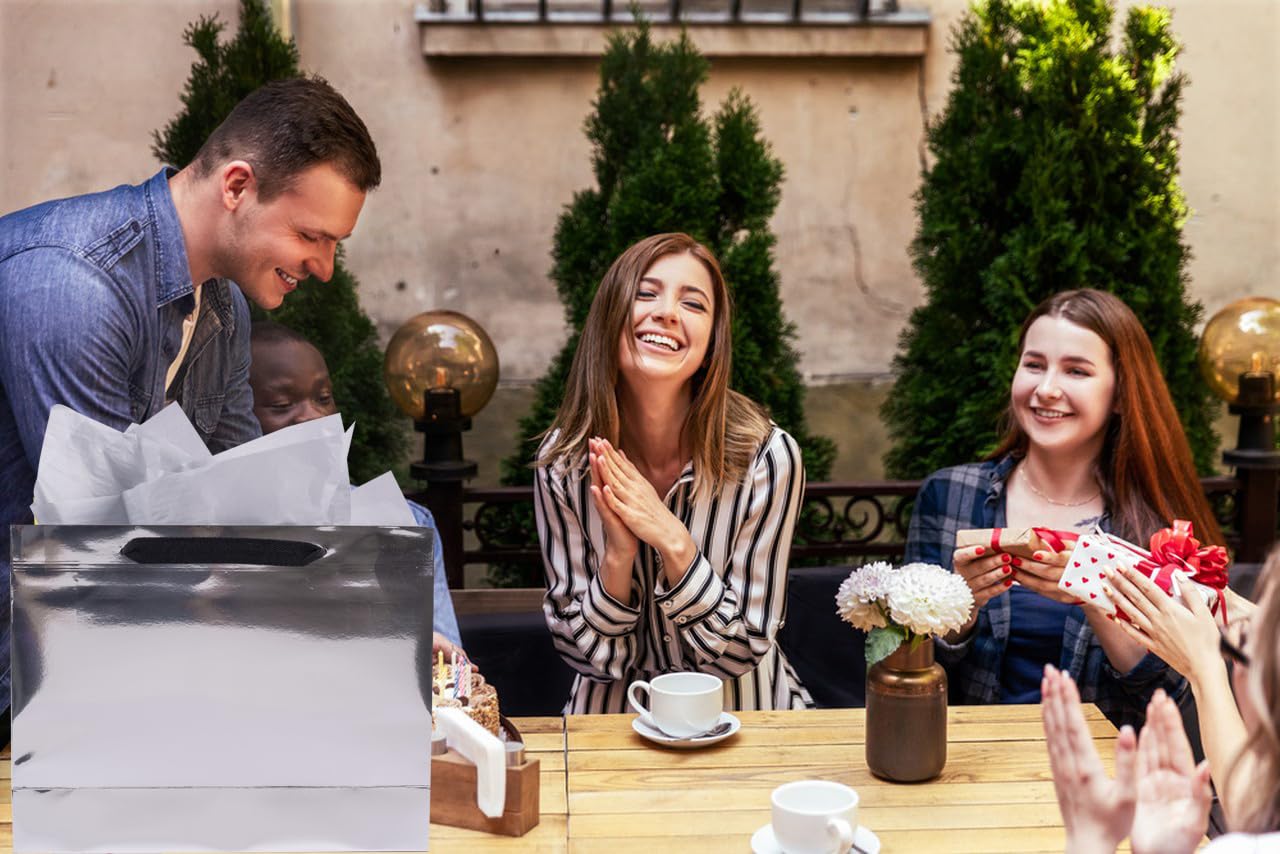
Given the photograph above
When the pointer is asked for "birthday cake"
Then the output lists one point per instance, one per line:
(459, 685)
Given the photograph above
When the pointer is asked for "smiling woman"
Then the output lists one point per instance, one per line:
(666, 501)
(1092, 439)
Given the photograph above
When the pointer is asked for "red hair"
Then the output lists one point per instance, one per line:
(1146, 472)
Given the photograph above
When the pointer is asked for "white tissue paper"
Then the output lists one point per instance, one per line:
(161, 473)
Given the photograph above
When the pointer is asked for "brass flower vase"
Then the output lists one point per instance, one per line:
(907, 715)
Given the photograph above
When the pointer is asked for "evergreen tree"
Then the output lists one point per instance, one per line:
(1055, 167)
(328, 314)
(661, 166)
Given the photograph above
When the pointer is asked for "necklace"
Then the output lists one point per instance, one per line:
(1031, 485)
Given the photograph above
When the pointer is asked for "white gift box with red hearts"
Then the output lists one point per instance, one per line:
(1084, 574)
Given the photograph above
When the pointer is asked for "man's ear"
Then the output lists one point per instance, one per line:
(237, 182)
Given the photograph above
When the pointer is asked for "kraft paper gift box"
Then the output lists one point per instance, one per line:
(1019, 542)
(234, 688)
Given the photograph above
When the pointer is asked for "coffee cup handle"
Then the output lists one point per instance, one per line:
(635, 704)
(841, 833)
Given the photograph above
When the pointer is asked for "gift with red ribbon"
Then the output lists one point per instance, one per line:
(1174, 558)
(1019, 542)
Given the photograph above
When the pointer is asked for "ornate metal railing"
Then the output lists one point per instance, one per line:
(847, 522)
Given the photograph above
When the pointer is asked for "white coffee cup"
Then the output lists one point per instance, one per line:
(814, 817)
(680, 704)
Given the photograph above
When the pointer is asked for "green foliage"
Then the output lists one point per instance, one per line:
(661, 166)
(1055, 167)
(329, 313)
(883, 640)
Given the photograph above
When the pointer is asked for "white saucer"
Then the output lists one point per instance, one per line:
(647, 732)
(764, 842)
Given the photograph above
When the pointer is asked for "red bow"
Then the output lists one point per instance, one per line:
(1056, 540)
(1175, 550)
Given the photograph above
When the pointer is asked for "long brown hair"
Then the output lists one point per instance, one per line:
(1261, 775)
(1147, 476)
(723, 429)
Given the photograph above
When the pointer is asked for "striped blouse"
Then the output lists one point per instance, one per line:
(721, 618)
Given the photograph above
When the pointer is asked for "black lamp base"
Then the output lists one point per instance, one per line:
(444, 469)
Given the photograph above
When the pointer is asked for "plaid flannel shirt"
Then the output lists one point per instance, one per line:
(972, 496)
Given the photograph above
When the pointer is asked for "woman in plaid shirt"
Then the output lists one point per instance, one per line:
(1092, 439)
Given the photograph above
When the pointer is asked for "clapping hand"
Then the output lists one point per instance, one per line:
(1173, 792)
(1096, 810)
(631, 498)
(620, 543)
(1160, 798)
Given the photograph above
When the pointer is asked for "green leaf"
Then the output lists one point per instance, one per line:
(882, 641)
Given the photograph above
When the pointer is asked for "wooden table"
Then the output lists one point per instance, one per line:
(605, 789)
(995, 794)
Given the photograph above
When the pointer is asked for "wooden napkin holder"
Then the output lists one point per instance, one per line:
(453, 794)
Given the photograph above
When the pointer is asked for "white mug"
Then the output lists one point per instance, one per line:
(814, 817)
(680, 704)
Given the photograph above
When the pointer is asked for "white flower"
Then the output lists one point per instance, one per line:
(927, 600)
(860, 597)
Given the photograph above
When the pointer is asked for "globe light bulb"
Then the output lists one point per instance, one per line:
(1241, 345)
(440, 349)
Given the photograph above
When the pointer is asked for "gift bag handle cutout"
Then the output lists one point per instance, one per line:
(221, 550)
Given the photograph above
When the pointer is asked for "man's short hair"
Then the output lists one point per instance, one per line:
(286, 127)
(270, 332)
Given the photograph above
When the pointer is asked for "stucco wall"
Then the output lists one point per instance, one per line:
(481, 154)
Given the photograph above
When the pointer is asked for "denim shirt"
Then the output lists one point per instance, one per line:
(973, 496)
(93, 292)
(443, 619)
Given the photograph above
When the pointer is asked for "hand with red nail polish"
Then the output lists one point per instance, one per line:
(1041, 574)
(984, 571)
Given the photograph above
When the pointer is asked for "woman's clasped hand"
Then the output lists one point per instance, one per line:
(619, 488)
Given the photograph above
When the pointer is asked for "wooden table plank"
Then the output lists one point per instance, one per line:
(855, 717)
(843, 733)
(991, 761)
(995, 793)
(744, 822)
(685, 799)
(1029, 841)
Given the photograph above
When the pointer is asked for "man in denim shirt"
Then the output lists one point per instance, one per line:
(117, 303)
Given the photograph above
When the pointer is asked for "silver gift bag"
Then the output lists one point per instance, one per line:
(233, 688)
